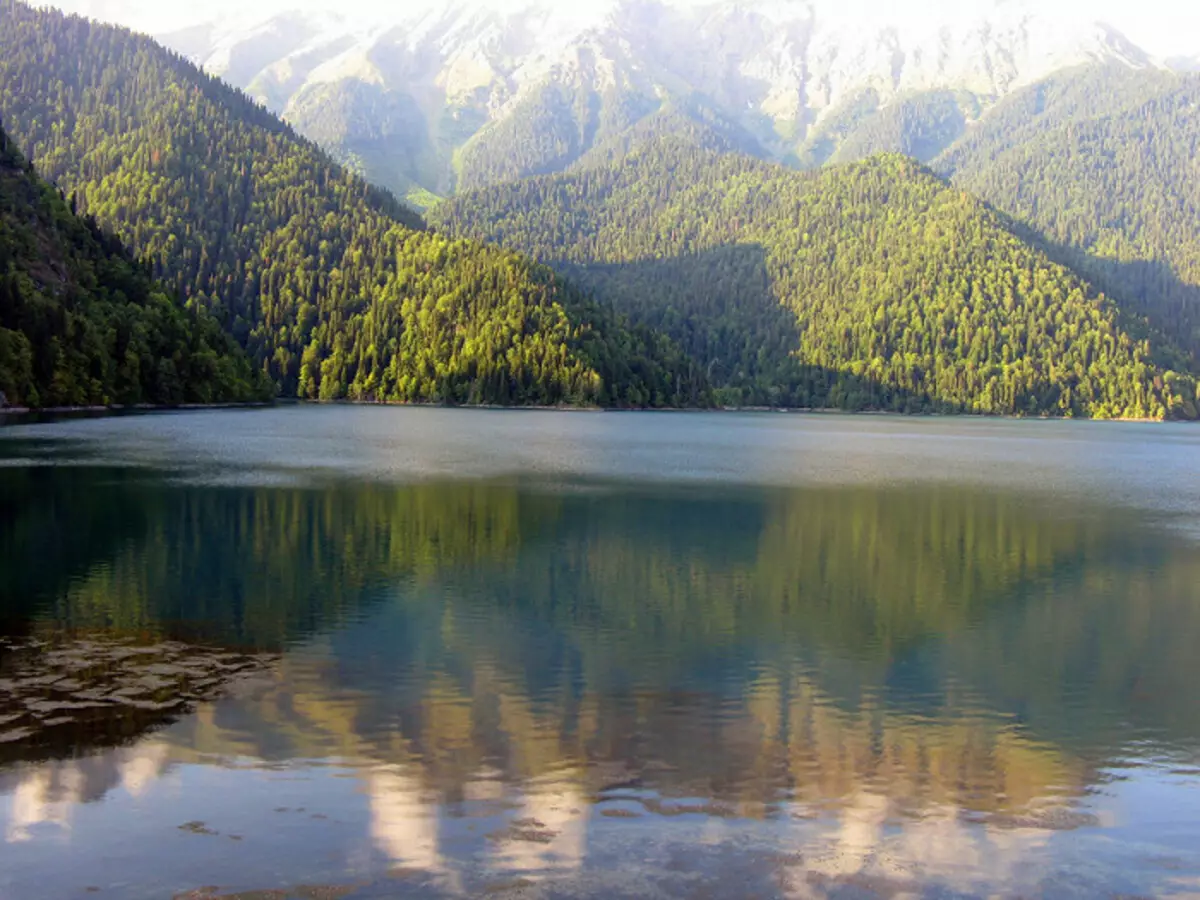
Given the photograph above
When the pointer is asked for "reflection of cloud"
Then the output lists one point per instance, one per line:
(546, 834)
(145, 765)
(549, 833)
(858, 836)
(404, 820)
(33, 804)
(47, 794)
(871, 845)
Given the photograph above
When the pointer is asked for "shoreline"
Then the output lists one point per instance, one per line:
(21, 412)
(136, 408)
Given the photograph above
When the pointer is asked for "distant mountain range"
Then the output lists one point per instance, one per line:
(433, 102)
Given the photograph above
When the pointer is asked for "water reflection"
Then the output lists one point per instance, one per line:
(49, 793)
(812, 691)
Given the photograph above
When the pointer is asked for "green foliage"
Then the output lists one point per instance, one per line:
(870, 286)
(836, 125)
(330, 284)
(82, 324)
(920, 126)
(1102, 163)
(551, 128)
(379, 134)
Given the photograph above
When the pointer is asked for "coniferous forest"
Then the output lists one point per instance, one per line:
(663, 268)
(333, 287)
(1101, 163)
(81, 323)
(873, 285)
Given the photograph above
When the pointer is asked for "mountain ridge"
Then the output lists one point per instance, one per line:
(446, 87)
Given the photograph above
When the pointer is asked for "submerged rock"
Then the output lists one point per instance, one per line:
(61, 697)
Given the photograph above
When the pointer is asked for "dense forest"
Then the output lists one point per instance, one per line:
(1102, 162)
(82, 324)
(1099, 161)
(871, 285)
(330, 284)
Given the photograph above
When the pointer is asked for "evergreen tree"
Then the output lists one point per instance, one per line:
(873, 285)
(332, 286)
(82, 324)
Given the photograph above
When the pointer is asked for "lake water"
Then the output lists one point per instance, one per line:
(356, 652)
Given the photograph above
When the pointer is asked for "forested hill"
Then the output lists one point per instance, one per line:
(871, 285)
(1104, 162)
(330, 284)
(82, 324)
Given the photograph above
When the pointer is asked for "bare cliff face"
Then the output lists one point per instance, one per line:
(469, 94)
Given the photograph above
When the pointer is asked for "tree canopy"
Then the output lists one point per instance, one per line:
(1101, 163)
(873, 285)
(82, 324)
(331, 285)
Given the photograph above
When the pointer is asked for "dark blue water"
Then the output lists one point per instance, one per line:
(332, 651)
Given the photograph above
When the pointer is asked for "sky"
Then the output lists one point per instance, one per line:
(1162, 27)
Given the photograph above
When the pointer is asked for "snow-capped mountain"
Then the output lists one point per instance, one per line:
(470, 93)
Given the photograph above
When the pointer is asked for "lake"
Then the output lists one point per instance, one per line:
(330, 651)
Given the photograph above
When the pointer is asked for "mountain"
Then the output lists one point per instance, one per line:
(1102, 163)
(468, 94)
(869, 285)
(82, 324)
(332, 286)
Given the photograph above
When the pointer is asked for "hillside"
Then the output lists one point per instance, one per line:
(82, 324)
(871, 285)
(330, 284)
(1103, 163)
(424, 97)
(920, 125)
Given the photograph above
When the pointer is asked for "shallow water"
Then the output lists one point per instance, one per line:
(335, 651)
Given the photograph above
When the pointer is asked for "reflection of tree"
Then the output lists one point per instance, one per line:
(736, 646)
(785, 738)
(644, 637)
(58, 523)
(252, 568)
(1109, 657)
(841, 654)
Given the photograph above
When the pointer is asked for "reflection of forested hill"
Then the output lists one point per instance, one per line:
(812, 637)
(250, 568)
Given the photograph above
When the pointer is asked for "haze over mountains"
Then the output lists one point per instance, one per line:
(471, 94)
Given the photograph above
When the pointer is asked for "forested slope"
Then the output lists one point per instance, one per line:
(330, 284)
(1104, 164)
(872, 285)
(82, 324)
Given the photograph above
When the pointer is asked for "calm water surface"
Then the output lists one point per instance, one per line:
(349, 652)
